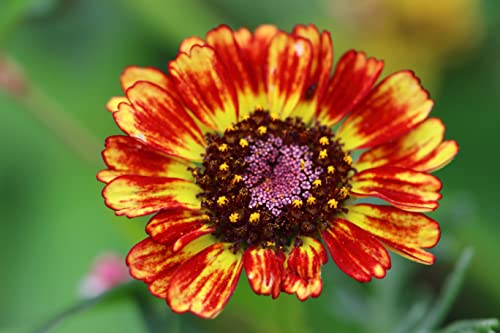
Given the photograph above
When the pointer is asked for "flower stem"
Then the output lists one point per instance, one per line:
(123, 289)
(452, 286)
(153, 322)
(39, 106)
(62, 125)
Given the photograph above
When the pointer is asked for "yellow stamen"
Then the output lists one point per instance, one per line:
(323, 154)
(297, 203)
(311, 200)
(262, 130)
(270, 244)
(234, 217)
(343, 192)
(223, 167)
(223, 147)
(222, 201)
(317, 183)
(243, 143)
(230, 128)
(237, 179)
(348, 159)
(302, 164)
(275, 116)
(259, 107)
(324, 141)
(332, 203)
(331, 169)
(254, 218)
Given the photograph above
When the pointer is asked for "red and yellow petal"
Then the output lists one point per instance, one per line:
(438, 158)
(156, 118)
(155, 263)
(303, 269)
(407, 233)
(133, 74)
(114, 102)
(168, 226)
(187, 238)
(188, 43)
(355, 251)
(354, 77)
(319, 71)
(142, 195)
(238, 67)
(264, 268)
(205, 86)
(408, 150)
(395, 106)
(125, 155)
(204, 284)
(256, 44)
(288, 65)
(255, 48)
(404, 188)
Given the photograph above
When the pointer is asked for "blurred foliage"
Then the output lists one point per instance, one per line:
(54, 222)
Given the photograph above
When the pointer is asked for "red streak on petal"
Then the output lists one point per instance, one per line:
(139, 195)
(264, 269)
(395, 106)
(204, 284)
(236, 62)
(158, 119)
(192, 235)
(322, 59)
(287, 71)
(125, 155)
(168, 226)
(439, 157)
(205, 86)
(353, 78)
(355, 251)
(303, 269)
(404, 188)
(256, 47)
(405, 232)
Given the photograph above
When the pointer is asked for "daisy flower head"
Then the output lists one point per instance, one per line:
(252, 155)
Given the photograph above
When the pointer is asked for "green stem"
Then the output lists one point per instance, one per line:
(48, 326)
(448, 294)
(59, 318)
(50, 114)
(152, 321)
(61, 124)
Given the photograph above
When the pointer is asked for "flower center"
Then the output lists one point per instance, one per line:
(278, 174)
(266, 181)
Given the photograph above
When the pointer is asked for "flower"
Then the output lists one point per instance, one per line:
(234, 152)
(108, 271)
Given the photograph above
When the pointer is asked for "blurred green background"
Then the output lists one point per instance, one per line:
(54, 222)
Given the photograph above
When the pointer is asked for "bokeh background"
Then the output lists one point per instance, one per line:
(71, 53)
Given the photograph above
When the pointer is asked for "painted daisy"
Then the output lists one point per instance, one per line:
(253, 155)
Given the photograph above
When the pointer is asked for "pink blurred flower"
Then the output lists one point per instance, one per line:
(108, 271)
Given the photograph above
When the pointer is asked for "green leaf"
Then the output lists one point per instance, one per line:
(472, 326)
